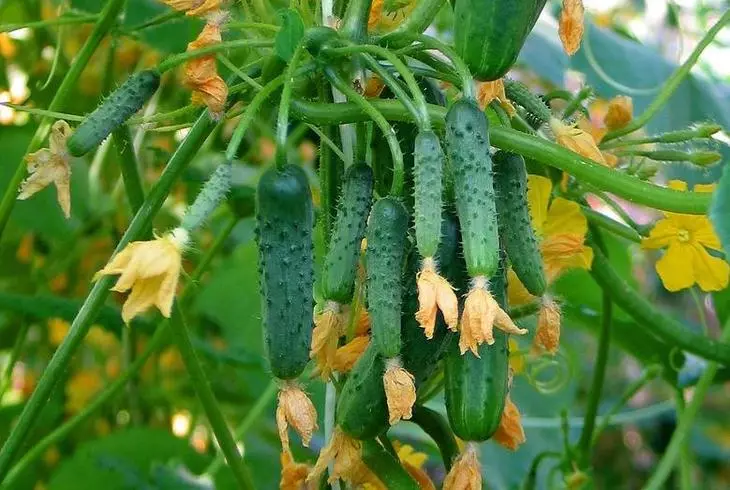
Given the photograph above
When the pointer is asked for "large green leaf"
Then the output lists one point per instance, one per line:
(291, 33)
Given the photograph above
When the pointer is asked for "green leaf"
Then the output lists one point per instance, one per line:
(720, 210)
(291, 33)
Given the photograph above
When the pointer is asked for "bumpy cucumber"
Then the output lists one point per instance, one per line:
(428, 180)
(362, 411)
(122, 104)
(467, 140)
(340, 264)
(476, 388)
(520, 94)
(285, 222)
(387, 236)
(518, 236)
(489, 34)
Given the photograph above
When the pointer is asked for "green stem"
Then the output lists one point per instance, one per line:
(686, 422)
(282, 123)
(599, 376)
(202, 388)
(355, 20)
(177, 59)
(672, 83)
(105, 20)
(99, 292)
(7, 374)
(418, 21)
(253, 25)
(611, 225)
(156, 20)
(659, 324)
(540, 150)
(58, 21)
(368, 108)
(263, 401)
(617, 208)
(438, 429)
(130, 168)
(700, 309)
(530, 482)
(684, 465)
(238, 72)
(576, 102)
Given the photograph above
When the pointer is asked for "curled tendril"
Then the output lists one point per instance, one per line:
(557, 365)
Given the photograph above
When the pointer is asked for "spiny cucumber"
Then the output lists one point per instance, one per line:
(428, 175)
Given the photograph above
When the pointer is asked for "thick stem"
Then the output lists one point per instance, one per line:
(106, 19)
(178, 59)
(282, 123)
(618, 229)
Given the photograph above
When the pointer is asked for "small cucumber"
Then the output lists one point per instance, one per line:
(476, 387)
(387, 237)
(362, 411)
(518, 236)
(285, 220)
(428, 180)
(467, 140)
(520, 94)
(122, 104)
(340, 264)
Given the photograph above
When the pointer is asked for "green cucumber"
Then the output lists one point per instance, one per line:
(467, 143)
(476, 387)
(387, 467)
(520, 94)
(387, 237)
(122, 104)
(362, 410)
(285, 220)
(428, 180)
(340, 263)
(513, 212)
(489, 34)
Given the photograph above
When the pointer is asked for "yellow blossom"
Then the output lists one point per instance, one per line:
(386, 16)
(547, 336)
(194, 7)
(510, 433)
(348, 464)
(151, 270)
(51, 165)
(571, 25)
(294, 407)
(619, 113)
(516, 357)
(517, 293)
(489, 91)
(435, 293)
(400, 391)
(347, 355)
(293, 474)
(328, 328)
(81, 388)
(57, 330)
(466, 472)
(576, 140)
(201, 74)
(413, 462)
(597, 130)
(481, 315)
(686, 239)
(373, 86)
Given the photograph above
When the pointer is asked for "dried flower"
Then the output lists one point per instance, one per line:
(328, 325)
(194, 7)
(400, 391)
(466, 473)
(347, 355)
(489, 91)
(619, 113)
(510, 433)
(481, 314)
(52, 165)
(201, 74)
(293, 474)
(547, 336)
(151, 270)
(294, 407)
(576, 140)
(348, 464)
(571, 25)
(435, 293)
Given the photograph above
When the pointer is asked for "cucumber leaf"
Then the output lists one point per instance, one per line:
(291, 33)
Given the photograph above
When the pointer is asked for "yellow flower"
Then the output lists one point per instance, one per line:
(412, 461)
(510, 433)
(466, 472)
(294, 407)
(51, 165)
(201, 74)
(435, 293)
(293, 474)
(151, 270)
(619, 113)
(686, 238)
(516, 357)
(81, 388)
(194, 7)
(571, 25)
(561, 228)
(547, 336)
(57, 330)
(400, 391)
(347, 355)
(489, 91)
(576, 140)
(348, 464)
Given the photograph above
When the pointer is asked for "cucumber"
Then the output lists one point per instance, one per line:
(362, 410)
(467, 143)
(428, 176)
(285, 220)
(122, 104)
(387, 236)
(520, 94)
(387, 467)
(489, 34)
(518, 236)
(476, 387)
(340, 264)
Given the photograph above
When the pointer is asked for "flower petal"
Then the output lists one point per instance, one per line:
(565, 217)
(712, 273)
(676, 269)
(538, 197)
(664, 233)
(704, 233)
(143, 296)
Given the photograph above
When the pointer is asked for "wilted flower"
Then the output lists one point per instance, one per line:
(576, 140)
(293, 474)
(466, 472)
(348, 464)
(510, 433)
(194, 7)
(347, 355)
(571, 25)
(619, 113)
(294, 407)
(547, 336)
(400, 391)
(489, 91)
(151, 270)
(328, 326)
(52, 165)
(435, 293)
(201, 74)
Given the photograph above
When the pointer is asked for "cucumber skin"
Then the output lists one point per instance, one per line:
(476, 388)
(340, 264)
(515, 225)
(467, 143)
(362, 409)
(489, 34)
(122, 104)
(285, 220)
(387, 236)
(429, 161)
